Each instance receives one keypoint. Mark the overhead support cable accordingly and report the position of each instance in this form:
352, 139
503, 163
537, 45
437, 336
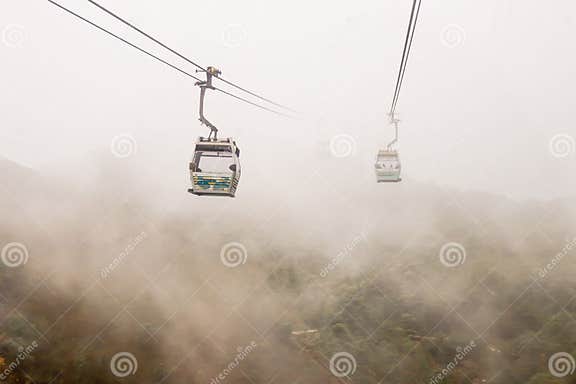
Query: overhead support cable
415, 12
254, 104
166, 62
184, 57
124, 40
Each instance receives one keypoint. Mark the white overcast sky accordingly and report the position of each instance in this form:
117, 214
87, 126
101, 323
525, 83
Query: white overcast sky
477, 114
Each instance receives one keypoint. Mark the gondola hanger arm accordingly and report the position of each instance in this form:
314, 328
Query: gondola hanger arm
211, 72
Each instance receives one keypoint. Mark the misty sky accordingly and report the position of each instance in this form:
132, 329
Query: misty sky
489, 84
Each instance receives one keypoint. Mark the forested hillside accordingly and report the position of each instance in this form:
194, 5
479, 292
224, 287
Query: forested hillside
453, 288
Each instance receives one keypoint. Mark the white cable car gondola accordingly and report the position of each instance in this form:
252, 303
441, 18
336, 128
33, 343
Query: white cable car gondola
388, 166
215, 167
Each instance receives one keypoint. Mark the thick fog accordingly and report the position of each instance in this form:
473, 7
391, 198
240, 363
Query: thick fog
272, 290
105, 253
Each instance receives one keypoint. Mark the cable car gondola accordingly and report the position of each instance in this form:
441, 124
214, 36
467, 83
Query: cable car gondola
388, 166
215, 167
